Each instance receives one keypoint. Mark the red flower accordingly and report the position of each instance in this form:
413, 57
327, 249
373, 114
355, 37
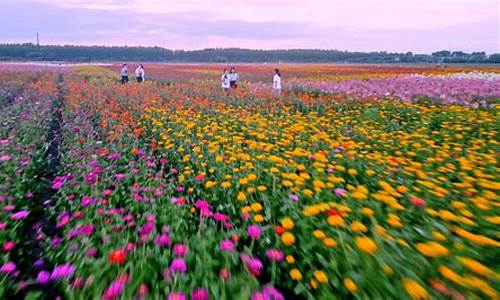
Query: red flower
279, 229
117, 257
418, 202
333, 212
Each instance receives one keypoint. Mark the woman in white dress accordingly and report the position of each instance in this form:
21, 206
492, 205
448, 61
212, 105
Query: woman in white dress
225, 81
277, 83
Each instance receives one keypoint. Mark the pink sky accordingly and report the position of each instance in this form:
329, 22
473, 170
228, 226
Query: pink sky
392, 25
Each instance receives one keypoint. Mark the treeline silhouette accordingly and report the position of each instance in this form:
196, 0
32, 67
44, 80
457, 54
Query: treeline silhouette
72, 53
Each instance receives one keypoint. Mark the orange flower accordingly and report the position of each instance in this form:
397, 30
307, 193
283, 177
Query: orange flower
117, 257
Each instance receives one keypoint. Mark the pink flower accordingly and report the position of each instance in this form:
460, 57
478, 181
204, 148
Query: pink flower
176, 296
163, 240
4, 158
253, 232
87, 229
57, 185
254, 265
43, 277
116, 288
224, 274
19, 215
8, 246
226, 245
418, 202
340, 192
275, 254
199, 294
293, 197
180, 249
178, 265
8, 267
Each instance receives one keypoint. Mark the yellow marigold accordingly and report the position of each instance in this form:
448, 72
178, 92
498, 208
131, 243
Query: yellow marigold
256, 207
414, 289
336, 221
366, 244
295, 274
329, 242
357, 226
438, 236
287, 223
476, 266
320, 276
225, 184
258, 218
402, 189
261, 188
358, 195
319, 234
290, 259
241, 196
246, 209
250, 189
432, 249
251, 177
481, 285
287, 238
209, 184
350, 285
367, 211
314, 283
370, 172
352, 172
243, 181
451, 275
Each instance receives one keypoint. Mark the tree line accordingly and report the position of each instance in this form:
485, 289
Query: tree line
73, 53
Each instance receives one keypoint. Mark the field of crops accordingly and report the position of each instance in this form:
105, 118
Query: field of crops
369, 182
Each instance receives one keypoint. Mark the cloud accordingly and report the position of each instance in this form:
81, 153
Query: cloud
182, 25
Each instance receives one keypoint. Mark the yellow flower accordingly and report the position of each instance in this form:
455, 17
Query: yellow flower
241, 196
414, 289
366, 244
451, 275
261, 188
287, 223
250, 189
358, 195
357, 226
314, 283
387, 270
476, 266
243, 181
438, 236
290, 259
251, 177
352, 172
336, 221
256, 206
432, 249
258, 218
370, 172
329, 242
350, 285
226, 184
320, 276
319, 234
209, 184
246, 209
295, 274
367, 211
287, 238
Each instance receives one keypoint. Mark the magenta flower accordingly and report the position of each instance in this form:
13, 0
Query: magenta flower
163, 240
199, 294
253, 232
254, 265
9, 245
19, 215
226, 245
43, 277
178, 265
180, 250
8, 267
275, 254
57, 185
176, 296
116, 288
4, 158
340, 192
62, 272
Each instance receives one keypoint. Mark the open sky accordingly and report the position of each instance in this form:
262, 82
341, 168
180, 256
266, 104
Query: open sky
421, 26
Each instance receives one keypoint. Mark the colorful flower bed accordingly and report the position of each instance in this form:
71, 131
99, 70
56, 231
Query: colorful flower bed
180, 191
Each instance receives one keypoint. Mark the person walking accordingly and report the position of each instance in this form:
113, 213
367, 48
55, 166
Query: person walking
139, 73
277, 83
124, 74
233, 78
225, 81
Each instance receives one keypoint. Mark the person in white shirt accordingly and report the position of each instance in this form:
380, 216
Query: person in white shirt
124, 74
277, 83
139, 73
225, 81
233, 78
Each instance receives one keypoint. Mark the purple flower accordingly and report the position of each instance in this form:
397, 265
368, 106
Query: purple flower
293, 197
4, 158
226, 245
199, 294
272, 293
178, 265
340, 192
8, 267
180, 249
116, 288
43, 277
56, 185
19, 215
114, 156
253, 232
275, 254
62, 272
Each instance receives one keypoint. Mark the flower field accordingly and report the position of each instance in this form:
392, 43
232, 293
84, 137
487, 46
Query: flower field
369, 182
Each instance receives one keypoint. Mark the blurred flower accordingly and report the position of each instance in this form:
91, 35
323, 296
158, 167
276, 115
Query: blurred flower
178, 265
199, 294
